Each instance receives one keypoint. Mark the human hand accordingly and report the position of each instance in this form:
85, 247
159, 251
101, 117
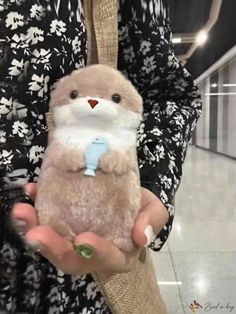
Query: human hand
95, 253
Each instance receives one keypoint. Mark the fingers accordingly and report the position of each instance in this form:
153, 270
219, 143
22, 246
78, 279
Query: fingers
31, 190
56, 249
104, 256
151, 219
108, 254
24, 216
26, 213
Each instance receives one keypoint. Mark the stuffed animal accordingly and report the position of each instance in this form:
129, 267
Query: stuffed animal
89, 178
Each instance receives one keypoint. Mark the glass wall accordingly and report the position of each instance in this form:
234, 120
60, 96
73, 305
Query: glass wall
216, 129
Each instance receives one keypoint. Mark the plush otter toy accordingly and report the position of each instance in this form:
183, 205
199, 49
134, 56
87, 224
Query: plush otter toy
89, 178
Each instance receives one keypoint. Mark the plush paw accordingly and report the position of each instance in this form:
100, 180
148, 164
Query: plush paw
115, 161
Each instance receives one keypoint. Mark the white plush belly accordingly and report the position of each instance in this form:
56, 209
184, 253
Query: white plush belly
77, 138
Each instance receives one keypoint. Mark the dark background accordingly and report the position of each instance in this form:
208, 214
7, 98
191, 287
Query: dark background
189, 16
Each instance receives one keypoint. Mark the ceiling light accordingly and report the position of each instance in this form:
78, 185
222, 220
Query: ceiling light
219, 94
176, 40
201, 38
214, 85
229, 85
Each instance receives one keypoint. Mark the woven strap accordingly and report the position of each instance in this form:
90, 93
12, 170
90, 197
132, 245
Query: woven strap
102, 31
134, 292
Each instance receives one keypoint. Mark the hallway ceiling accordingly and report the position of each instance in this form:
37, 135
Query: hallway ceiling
189, 16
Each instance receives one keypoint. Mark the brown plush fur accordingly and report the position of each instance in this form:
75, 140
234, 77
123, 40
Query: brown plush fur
106, 204
112, 83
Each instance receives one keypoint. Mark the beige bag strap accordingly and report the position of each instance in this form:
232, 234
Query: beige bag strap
102, 31
135, 292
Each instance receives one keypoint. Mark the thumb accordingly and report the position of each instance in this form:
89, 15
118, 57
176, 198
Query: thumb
107, 255
150, 221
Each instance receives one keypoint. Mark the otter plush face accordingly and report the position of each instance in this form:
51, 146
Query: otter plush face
96, 92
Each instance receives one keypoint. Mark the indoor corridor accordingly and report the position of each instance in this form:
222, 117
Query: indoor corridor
198, 262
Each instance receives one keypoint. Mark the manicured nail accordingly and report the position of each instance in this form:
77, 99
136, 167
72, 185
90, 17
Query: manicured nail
84, 250
19, 225
150, 235
18, 222
33, 247
143, 255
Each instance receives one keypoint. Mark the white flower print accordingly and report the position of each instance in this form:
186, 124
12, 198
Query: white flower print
14, 20
20, 110
123, 32
6, 157
149, 64
18, 41
177, 138
142, 127
92, 289
160, 152
166, 181
157, 244
37, 173
36, 153
171, 107
41, 56
181, 84
18, 176
129, 54
76, 45
145, 47
34, 35
80, 64
173, 62
2, 136
58, 27
17, 67
17, 2
1, 5
156, 131
20, 128
164, 196
179, 120
39, 84
37, 11
7, 107
171, 210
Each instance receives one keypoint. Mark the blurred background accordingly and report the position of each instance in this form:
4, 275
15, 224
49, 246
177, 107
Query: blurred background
196, 270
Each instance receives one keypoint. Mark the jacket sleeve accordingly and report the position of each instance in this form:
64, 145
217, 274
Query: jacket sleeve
172, 102
165, 132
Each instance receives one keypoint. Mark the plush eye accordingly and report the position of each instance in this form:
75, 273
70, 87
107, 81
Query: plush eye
74, 94
116, 98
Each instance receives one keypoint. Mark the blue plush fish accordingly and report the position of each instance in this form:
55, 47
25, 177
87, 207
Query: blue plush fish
93, 152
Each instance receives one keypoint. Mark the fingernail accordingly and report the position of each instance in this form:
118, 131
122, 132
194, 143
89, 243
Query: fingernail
33, 247
18, 222
143, 255
19, 225
84, 250
150, 235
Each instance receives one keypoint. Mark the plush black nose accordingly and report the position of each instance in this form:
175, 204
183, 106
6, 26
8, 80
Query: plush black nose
93, 103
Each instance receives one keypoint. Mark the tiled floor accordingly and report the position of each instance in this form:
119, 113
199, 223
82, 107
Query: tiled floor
199, 260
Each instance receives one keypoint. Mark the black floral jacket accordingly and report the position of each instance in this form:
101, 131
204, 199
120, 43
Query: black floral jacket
41, 41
